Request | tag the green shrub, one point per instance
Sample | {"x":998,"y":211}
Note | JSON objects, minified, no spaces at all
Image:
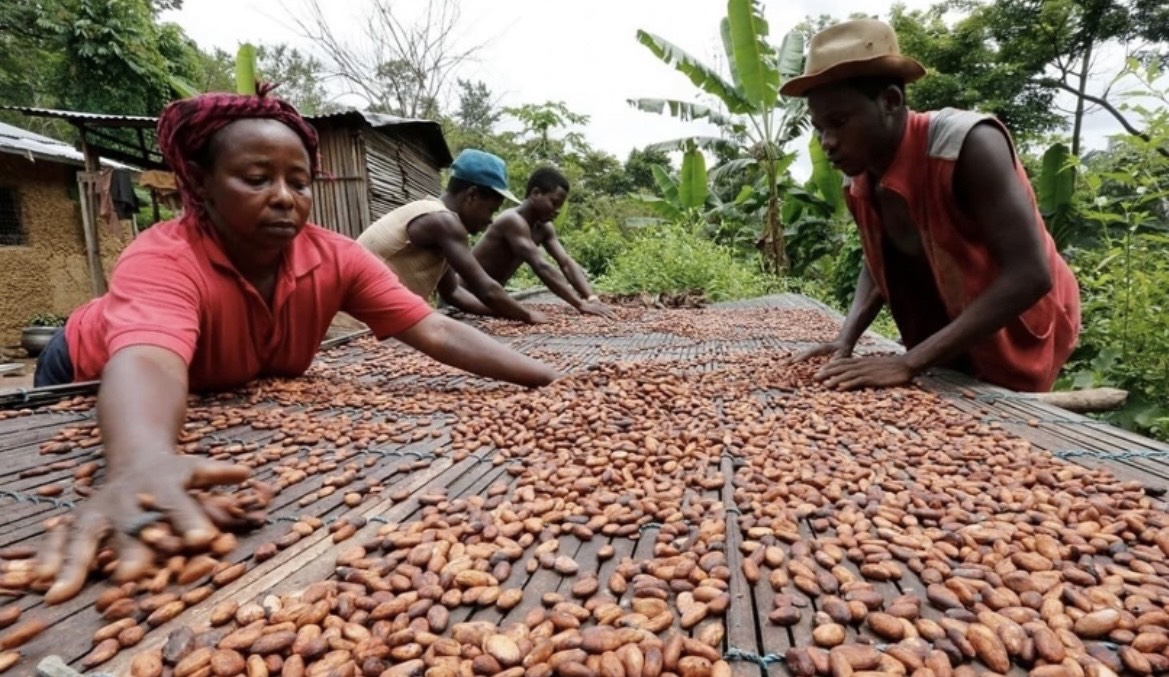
{"x":47,"y":320}
{"x":1124,"y":341}
{"x":594,"y":246}
{"x":847,"y":268}
{"x":673,"y":259}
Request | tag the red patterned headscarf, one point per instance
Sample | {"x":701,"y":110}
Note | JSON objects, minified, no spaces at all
{"x":187,"y":125}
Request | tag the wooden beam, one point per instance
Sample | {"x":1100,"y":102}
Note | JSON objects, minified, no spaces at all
{"x":129,"y":158}
{"x":121,"y":149}
{"x":1092,"y":399}
{"x":89,"y":216}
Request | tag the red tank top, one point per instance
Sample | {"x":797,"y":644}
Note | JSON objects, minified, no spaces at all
{"x":1027,"y":353}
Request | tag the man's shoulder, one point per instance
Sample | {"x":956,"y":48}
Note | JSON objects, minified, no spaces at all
{"x":510,"y":223}
{"x":411,"y":210}
{"x":949,"y":128}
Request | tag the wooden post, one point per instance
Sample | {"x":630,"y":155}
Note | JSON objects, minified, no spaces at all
{"x":87,"y":185}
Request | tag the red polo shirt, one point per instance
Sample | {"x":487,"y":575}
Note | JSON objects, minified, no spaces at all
{"x":175,"y":288}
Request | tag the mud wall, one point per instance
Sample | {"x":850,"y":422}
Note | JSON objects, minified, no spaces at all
{"x":49,"y":273}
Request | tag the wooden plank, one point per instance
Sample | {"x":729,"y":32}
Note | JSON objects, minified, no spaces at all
{"x":299,"y":565}
{"x":1051,"y":440}
{"x":79,"y":613}
{"x":742,"y":614}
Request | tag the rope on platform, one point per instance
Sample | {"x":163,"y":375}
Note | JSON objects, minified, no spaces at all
{"x":396,"y":452}
{"x":736,"y":654}
{"x":1021,"y":421}
{"x":1122,"y":455}
{"x":22,"y":497}
{"x":991,"y":398}
{"x":215,"y":440}
{"x":733,"y":654}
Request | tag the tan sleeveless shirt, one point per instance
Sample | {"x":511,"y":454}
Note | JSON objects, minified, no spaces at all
{"x":418,"y":269}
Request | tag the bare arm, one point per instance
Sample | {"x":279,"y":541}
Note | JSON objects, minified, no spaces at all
{"x":571,"y":269}
{"x":455,"y":294}
{"x":985,"y":176}
{"x":444,"y":232}
{"x":141,"y":405}
{"x":141,"y":408}
{"x":519,"y":238}
{"x":467,"y":348}
{"x":866,"y":304}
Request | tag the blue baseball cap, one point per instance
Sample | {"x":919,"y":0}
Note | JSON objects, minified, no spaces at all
{"x":483,"y":169}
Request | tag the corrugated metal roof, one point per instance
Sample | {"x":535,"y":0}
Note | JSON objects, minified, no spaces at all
{"x":34,"y":146}
{"x":428,"y":132}
{"x":70,"y":115}
{"x":374,"y":119}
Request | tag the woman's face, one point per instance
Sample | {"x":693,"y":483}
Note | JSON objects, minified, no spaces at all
{"x":258,"y":187}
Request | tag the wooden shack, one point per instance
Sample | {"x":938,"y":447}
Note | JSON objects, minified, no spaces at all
{"x":375,"y":163}
{"x":372,"y":162}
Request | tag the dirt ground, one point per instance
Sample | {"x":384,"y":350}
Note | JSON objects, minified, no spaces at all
{"x":21,"y":378}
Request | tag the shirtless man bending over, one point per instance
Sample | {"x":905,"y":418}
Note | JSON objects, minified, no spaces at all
{"x":521,"y":234}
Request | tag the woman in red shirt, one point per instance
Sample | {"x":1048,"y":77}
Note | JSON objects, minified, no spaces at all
{"x":241,"y":286}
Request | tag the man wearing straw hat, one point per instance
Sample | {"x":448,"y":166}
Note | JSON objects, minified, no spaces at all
{"x":952,"y":236}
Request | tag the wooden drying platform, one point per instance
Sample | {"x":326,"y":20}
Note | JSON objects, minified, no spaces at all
{"x":415,"y":463}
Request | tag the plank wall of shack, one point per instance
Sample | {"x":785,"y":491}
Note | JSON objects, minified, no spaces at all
{"x":399,"y":172}
{"x":340,"y":201}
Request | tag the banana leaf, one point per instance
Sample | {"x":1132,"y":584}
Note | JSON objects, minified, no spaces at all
{"x":245,"y":69}
{"x":829,"y":181}
{"x":704,"y":77}
{"x":684,"y":110}
{"x":1057,"y":180}
{"x":754,"y":58}
{"x":693,"y":189}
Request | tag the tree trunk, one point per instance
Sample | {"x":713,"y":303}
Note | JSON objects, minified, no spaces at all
{"x":774,"y":229}
{"x":1078,"y":125}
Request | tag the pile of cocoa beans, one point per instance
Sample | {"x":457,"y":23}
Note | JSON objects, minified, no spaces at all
{"x":640,"y":507}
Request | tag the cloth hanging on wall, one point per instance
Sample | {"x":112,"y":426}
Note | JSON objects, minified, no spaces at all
{"x":117,"y":199}
{"x":163,"y":185}
{"x":122,"y":194}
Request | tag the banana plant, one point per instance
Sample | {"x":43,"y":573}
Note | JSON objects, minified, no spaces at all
{"x":757,"y":122}
{"x":245,"y":75}
{"x":828,"y":180}
{"x":245,"y":69}
{"x":1056,"y":188}
{"x":682,"y":200}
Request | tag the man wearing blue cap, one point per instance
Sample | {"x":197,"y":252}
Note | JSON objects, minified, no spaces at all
{"x":427,"y":242}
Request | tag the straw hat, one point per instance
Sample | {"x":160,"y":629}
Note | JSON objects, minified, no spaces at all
{"x":864,"y":47}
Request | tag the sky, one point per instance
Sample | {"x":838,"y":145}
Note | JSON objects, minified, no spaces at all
{"x":583,"y":53}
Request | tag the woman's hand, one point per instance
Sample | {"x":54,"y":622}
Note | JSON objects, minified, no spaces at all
{"x":117,"y":512}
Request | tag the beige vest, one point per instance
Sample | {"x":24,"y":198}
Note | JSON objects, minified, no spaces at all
{"x":418,"y":269}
